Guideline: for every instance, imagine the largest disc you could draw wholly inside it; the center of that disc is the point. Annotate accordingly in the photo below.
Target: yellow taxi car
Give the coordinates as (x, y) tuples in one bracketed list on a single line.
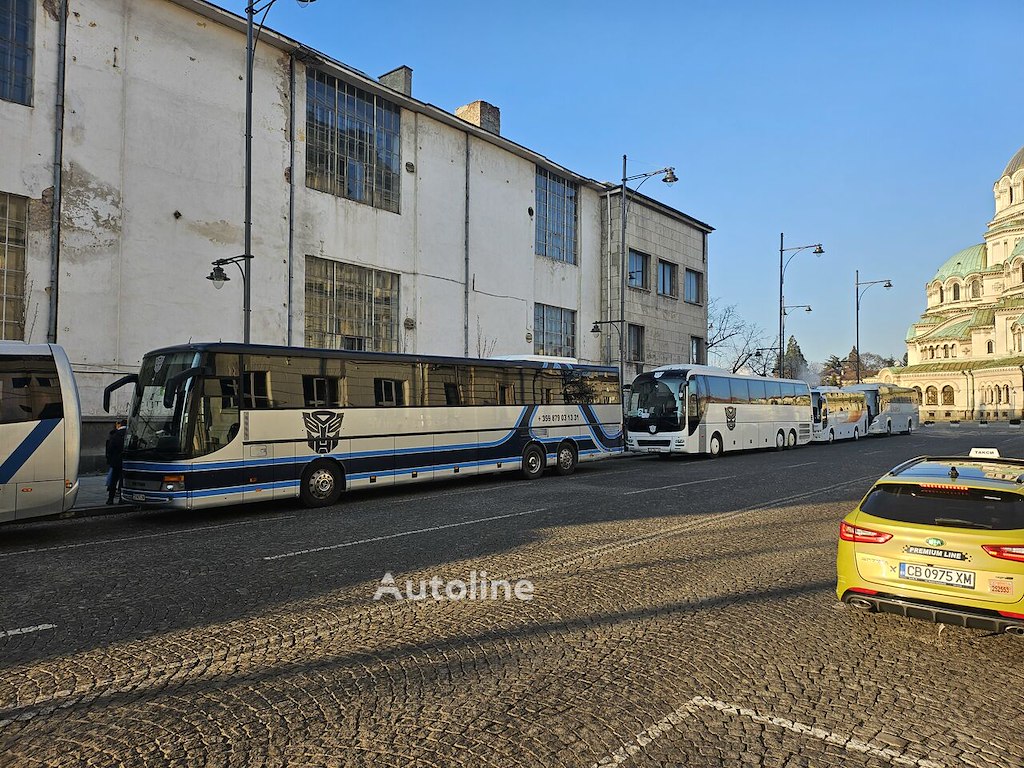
[(940, 539)]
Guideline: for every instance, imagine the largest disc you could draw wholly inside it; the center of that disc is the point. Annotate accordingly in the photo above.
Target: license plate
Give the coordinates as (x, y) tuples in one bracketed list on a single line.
[(136, 496), (653, 450), (945, 576)]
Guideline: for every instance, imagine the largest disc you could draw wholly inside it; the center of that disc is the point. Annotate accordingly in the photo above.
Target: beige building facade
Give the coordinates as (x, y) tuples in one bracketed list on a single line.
[(965, 356)]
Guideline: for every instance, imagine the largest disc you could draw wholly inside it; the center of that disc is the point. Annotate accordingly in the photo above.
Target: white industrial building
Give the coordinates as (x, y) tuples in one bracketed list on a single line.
[(380, 222)]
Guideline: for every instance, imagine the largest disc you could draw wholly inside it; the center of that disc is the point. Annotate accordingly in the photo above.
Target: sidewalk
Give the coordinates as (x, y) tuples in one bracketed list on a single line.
[(92, 498)]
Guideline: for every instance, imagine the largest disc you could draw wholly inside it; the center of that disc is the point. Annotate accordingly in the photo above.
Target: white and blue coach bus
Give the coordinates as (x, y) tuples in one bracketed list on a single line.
[(40, 431), (214, 424)]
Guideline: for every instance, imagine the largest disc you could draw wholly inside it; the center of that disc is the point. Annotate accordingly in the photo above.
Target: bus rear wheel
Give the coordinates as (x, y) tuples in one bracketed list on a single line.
[(321, 484), (791, 440), (715, 446), (533, 462), (565, 462)]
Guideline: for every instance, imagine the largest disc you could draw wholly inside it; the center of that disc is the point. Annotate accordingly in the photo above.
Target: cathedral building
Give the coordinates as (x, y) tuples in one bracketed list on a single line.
[(965, 356)]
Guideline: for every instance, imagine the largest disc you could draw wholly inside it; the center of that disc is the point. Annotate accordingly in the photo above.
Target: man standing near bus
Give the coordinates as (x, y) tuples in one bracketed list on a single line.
[(114, 452)]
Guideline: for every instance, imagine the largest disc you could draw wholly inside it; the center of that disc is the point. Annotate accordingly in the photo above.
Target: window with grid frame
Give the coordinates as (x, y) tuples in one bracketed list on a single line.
[(639, 270), (694, 287), (635, 343), (353, 142), (667, 281), (554, 331), (556, 217), (17, 26), (13, 233), (351, 307)]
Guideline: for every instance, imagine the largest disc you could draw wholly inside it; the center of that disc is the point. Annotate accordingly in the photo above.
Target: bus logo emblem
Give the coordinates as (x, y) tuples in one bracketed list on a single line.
[(730, 417), (322, 429)]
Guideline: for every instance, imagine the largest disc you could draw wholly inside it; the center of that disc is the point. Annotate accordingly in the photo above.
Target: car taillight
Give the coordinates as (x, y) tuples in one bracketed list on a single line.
[(944, 488), (1005, 552), (1010, 615), (848, 532)]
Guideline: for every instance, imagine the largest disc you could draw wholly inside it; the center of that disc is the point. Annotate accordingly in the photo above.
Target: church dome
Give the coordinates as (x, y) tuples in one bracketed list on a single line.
[(1015, 164), (964, 263)]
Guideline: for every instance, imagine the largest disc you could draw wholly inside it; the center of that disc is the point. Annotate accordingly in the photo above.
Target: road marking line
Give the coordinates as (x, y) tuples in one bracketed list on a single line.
[(401, 534), (805, 464), (201, 529), (679, 485), (869, 453), (679, 715), (26, 630)]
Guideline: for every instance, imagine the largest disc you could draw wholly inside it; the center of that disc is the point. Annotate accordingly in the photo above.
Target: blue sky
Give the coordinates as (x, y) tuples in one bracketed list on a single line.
[(876, 128)]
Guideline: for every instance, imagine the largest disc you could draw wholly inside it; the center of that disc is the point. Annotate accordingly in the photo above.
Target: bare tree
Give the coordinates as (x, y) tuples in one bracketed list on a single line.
[(734, 343)]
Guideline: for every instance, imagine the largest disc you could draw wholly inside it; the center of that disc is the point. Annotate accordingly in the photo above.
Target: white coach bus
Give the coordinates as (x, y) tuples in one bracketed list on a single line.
[(890, 408), (214, 424), (40, 431), (699, 409), (838, 414)]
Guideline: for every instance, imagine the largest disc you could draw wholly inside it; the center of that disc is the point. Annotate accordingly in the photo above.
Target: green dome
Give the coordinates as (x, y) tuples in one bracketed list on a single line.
[(1015, 164), (964, 263)]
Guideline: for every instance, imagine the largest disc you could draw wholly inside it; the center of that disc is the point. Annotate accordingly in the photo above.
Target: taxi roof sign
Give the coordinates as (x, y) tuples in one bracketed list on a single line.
[(984, 453)]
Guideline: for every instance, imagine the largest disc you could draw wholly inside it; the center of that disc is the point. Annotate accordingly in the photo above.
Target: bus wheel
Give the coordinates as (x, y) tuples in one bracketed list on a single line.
[(888, 428), (715, 446), (791, 443), (780, 441), (910, 427), (565, 463), (856, 433), (321, 484), (831, 436), (533, 462)]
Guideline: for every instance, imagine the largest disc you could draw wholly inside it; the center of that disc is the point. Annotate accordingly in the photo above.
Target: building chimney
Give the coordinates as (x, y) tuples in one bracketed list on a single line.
[(398, 79), (482, 114)]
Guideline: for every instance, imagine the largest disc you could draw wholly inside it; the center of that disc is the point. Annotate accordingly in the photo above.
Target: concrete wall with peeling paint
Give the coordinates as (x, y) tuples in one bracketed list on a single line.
[(152, 176)]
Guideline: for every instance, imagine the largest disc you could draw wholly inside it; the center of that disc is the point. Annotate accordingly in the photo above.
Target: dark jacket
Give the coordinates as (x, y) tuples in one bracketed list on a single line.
[(115, 447)]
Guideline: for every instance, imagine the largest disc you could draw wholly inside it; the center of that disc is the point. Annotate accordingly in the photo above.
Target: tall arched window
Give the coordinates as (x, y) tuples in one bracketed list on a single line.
[(931, 396), (1006, 393), (956, 292), (953, 349), (947, 395), (945, 350), (920, 398), (941, 294), (976, 287), (991, 347)]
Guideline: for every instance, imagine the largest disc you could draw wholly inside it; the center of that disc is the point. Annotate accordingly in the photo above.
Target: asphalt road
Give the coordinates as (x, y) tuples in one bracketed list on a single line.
[(682, 613)]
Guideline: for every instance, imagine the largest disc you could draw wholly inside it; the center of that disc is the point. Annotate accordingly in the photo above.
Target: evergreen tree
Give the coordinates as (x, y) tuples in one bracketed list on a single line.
[(794, 362)]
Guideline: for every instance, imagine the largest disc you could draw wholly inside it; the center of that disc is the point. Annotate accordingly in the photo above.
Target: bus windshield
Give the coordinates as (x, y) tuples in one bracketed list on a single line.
[(656, 396), (154, 428)]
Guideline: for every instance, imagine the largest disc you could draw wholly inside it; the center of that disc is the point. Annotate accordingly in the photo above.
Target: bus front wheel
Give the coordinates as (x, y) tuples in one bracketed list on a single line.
[(533, 462), (780, 441), (831, 436), (565, 463), (888, 428), (910, 427), (321, 484), (715, 447), (856, 434)]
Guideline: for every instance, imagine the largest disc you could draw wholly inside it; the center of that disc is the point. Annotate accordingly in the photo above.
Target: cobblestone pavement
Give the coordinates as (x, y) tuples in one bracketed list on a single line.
[(683, 614)]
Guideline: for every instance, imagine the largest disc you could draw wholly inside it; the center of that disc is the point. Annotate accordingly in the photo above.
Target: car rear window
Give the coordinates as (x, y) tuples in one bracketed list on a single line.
[(947, 506)]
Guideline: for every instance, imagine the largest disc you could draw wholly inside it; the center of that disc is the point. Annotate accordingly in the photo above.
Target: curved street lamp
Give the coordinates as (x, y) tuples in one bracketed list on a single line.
[(668, 175), (857, 283), (250, 49), (782, 330), (818, 251)]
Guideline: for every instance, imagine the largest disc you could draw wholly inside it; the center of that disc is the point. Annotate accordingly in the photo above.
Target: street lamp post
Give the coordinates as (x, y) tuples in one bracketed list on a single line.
[(858, 293), (818, 250), (669, 177), (782, 330), (251, 10)]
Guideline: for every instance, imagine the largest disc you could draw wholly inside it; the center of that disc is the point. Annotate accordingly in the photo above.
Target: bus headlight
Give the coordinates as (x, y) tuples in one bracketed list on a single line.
[(173, 483)]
